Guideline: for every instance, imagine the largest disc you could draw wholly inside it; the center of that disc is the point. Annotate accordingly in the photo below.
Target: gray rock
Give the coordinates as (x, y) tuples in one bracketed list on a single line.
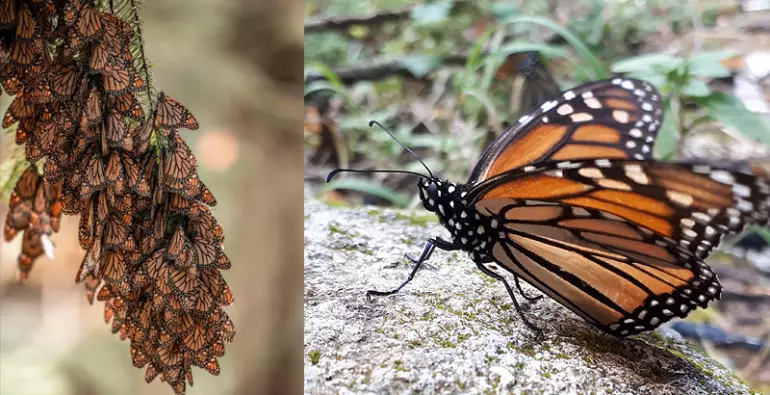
[(453, 329)]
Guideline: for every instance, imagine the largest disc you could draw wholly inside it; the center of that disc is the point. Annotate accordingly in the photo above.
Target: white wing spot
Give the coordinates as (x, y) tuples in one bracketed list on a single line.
[(646, 106), (603, 162), (581, 117), (549, 105), (620, 116), (635, 133), (616, 81), (587, 95), (569, 95), (722, 176), (631, 144), (703, 217), (593, 103), (564, 109), (638, 176), (744, 205), (682, 199), (614, 184), (591, 172), (627, 84), (741, 190), (688, 222)]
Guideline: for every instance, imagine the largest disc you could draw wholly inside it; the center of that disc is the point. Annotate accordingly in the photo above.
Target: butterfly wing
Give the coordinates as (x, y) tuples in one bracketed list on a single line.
[(607, 270), (619, 242), (616, 118)]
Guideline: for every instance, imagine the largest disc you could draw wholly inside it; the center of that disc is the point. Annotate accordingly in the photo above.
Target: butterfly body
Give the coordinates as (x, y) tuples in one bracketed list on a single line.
[(470, 232)]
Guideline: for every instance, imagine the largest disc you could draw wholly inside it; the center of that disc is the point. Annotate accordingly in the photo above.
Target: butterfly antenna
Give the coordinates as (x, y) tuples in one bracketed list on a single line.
[(336, 171), (402, 144)]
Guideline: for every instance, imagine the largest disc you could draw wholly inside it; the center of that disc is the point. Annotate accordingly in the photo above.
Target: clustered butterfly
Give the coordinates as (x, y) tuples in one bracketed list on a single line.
[(570, 200)]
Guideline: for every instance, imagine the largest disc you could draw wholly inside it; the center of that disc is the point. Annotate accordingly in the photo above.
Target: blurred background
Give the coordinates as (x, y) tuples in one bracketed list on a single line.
[(237, 66), (447, 77)]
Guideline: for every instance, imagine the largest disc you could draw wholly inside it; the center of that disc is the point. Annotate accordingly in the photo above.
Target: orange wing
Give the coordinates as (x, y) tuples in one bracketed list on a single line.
[(607, 270), (693, 206), (618, 242), (614, 119)]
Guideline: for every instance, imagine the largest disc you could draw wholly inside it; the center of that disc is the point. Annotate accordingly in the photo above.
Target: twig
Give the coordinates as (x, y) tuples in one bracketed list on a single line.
[(341, 22), (380, 69)]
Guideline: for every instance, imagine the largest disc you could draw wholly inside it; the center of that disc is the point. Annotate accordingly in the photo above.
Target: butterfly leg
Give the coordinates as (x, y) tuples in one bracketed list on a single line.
[(426, 253), (521, 291), (513, 298)]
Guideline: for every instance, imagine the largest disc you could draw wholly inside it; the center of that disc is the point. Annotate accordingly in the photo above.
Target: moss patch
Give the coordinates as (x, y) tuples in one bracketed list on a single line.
[(315, 356)]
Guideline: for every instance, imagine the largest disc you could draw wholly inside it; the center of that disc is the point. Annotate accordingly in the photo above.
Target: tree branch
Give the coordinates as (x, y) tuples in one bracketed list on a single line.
[(341, 22), (380, 69)]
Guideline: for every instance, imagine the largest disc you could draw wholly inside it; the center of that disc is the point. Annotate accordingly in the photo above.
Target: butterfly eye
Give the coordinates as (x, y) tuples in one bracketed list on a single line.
[(432, 189)]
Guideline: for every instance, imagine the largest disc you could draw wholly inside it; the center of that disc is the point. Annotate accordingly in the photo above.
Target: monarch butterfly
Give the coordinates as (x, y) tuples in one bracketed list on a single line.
[(119, 80), (26, 28), (569, 200), (169, 114), (89, 23), (128, 105), (7, 14), (539, 85)]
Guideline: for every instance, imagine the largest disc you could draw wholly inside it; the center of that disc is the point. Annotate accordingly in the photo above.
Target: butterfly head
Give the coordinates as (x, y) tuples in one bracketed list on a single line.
[(440, 196)]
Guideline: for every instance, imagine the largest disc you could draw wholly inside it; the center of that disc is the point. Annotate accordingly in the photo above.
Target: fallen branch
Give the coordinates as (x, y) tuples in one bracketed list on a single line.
[(342, 22), (380, 69)]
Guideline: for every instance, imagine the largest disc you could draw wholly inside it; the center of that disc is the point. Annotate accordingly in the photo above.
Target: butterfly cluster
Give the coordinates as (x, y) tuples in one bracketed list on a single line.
[(154, 251)]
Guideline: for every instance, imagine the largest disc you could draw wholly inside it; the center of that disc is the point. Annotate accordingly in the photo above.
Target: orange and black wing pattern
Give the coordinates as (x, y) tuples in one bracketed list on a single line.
[(612, 119), (618, 242)]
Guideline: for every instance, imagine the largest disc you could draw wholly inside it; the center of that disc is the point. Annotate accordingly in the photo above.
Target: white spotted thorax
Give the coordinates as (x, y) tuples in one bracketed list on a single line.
[(468, 228)]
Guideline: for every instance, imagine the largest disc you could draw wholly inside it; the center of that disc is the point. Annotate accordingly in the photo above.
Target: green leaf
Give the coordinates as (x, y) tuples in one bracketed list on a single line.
[(695, 88), (668, 135), (659, 63), (427, 14), (316, 86), (659, 81), (728, 109), (707, 64), (598, 71), (549, 51), (421, 65), (372, 188), (325, 71), (505, 10)]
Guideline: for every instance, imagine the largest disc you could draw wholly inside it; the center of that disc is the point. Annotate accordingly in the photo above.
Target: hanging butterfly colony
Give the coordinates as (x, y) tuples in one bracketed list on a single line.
[(154, 251), (570, 200)]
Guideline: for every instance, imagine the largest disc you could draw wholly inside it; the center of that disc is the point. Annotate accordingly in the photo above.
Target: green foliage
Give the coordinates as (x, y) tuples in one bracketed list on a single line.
[(595, 66), (369, 187), (481, 100), (10, 171), (683, 80)]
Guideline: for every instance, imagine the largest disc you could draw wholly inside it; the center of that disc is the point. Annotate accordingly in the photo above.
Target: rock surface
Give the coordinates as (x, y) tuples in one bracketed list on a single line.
[(453, 329)]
